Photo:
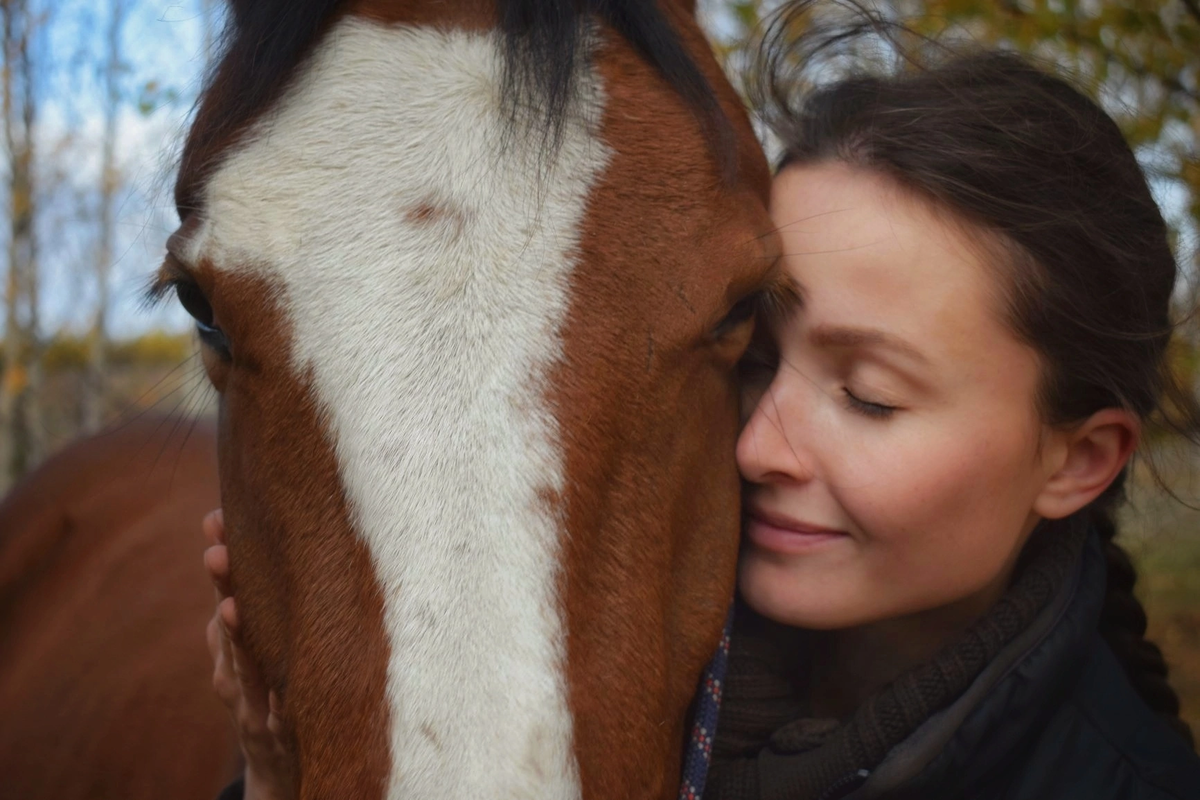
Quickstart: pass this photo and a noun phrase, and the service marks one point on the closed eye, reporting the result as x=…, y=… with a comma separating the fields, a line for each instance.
x=742, y=312
x=868, y=408
x=771, y=303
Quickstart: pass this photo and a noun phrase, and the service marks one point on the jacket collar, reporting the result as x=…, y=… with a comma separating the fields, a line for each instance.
x=1016, y=687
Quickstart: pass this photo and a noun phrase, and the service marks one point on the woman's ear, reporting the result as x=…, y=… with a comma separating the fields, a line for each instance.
x=1089, y=457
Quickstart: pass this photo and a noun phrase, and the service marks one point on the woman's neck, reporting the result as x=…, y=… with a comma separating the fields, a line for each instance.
x=849, y=665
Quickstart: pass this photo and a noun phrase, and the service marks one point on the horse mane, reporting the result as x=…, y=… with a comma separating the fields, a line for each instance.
x=267, y=40
x=543, y=40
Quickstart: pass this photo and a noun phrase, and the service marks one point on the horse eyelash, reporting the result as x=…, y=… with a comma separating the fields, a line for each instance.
x=778, y=299
x=156, y=292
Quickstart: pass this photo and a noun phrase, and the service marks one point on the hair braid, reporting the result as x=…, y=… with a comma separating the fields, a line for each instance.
x=1123, y=626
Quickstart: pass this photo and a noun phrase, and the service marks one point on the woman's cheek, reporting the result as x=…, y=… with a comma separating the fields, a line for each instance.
x=941, y=534
x=885, y=475
x=909, y=498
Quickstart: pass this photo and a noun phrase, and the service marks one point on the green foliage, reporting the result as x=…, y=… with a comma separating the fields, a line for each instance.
x=153, y=95
x=747, y=13
x=154, y=348
x=67, y=352
x=1140, y=58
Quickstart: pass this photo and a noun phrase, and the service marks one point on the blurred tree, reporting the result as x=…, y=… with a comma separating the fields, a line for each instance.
x=21, y=377
x=95, y=386
x=93, y=92
x=1140, y=58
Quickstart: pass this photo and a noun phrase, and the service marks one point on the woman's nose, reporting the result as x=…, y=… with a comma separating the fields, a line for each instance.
x=770, y=449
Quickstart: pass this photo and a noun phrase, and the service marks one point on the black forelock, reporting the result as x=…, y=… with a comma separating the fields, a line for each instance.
x=544, y=39
x=264, y=42
x=267, y=40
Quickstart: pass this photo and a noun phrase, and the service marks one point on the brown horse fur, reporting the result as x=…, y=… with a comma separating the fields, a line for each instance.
x=643, y=394
x=648, y=569
x=105, y=682
x=310, y=595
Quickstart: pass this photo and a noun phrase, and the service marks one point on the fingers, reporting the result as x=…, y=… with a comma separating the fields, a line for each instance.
x=224, y=677
x=227, y=613
x=214, y=526
x=257, y=713
x=216, y=557
x=226, y=665
x=223, y=626
x=213, y=636
x=236, y=680
x=216, y=561
x=275, y=717
x=252, y=715
x=252, y=707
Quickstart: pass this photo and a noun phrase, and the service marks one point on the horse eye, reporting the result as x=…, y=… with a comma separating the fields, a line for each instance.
x=194, y=303
x=741, y=312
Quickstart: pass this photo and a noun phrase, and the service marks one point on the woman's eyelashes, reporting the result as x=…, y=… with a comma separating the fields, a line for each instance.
x=868, y=408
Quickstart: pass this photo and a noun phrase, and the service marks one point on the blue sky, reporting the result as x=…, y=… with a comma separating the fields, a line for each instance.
x=163, y=44
x=164, y=49
x=164, y=53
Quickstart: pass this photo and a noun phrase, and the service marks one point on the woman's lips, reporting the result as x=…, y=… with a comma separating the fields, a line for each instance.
x=784, y=535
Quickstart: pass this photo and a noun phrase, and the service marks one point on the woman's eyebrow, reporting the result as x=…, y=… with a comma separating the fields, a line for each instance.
x=841, y=336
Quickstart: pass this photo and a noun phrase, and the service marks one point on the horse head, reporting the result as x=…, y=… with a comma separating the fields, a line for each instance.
x=471, y=280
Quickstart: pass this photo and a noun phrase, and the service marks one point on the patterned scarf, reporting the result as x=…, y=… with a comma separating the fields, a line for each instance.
x=704, y=720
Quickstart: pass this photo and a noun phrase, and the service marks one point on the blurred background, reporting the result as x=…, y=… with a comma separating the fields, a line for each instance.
x=97, y=94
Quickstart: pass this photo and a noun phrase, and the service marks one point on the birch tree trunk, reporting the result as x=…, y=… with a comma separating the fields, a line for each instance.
x=19, y=436
x=96, y=392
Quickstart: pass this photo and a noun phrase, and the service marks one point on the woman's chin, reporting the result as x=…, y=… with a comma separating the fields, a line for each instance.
x=795, y=595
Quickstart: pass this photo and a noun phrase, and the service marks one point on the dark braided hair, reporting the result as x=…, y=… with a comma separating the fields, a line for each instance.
x=1080, y=242
x=1123, y=626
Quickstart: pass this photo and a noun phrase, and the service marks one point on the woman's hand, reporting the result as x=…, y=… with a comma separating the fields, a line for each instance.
x=256, y=712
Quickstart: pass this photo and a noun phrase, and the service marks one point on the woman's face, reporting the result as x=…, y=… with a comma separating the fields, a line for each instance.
x=896, y=454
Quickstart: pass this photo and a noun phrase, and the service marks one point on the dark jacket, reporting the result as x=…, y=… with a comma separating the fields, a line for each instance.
x=1051, y=717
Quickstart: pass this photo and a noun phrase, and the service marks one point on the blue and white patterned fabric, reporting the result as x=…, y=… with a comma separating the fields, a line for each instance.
x=698, y=755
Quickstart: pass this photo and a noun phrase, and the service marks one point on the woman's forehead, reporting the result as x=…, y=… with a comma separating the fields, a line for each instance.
x=868, y=253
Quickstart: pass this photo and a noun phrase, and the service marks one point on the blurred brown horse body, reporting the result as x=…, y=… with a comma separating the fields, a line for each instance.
x=105, y=685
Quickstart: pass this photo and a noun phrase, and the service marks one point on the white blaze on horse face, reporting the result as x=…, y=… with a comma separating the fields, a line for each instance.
x=425, y=274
